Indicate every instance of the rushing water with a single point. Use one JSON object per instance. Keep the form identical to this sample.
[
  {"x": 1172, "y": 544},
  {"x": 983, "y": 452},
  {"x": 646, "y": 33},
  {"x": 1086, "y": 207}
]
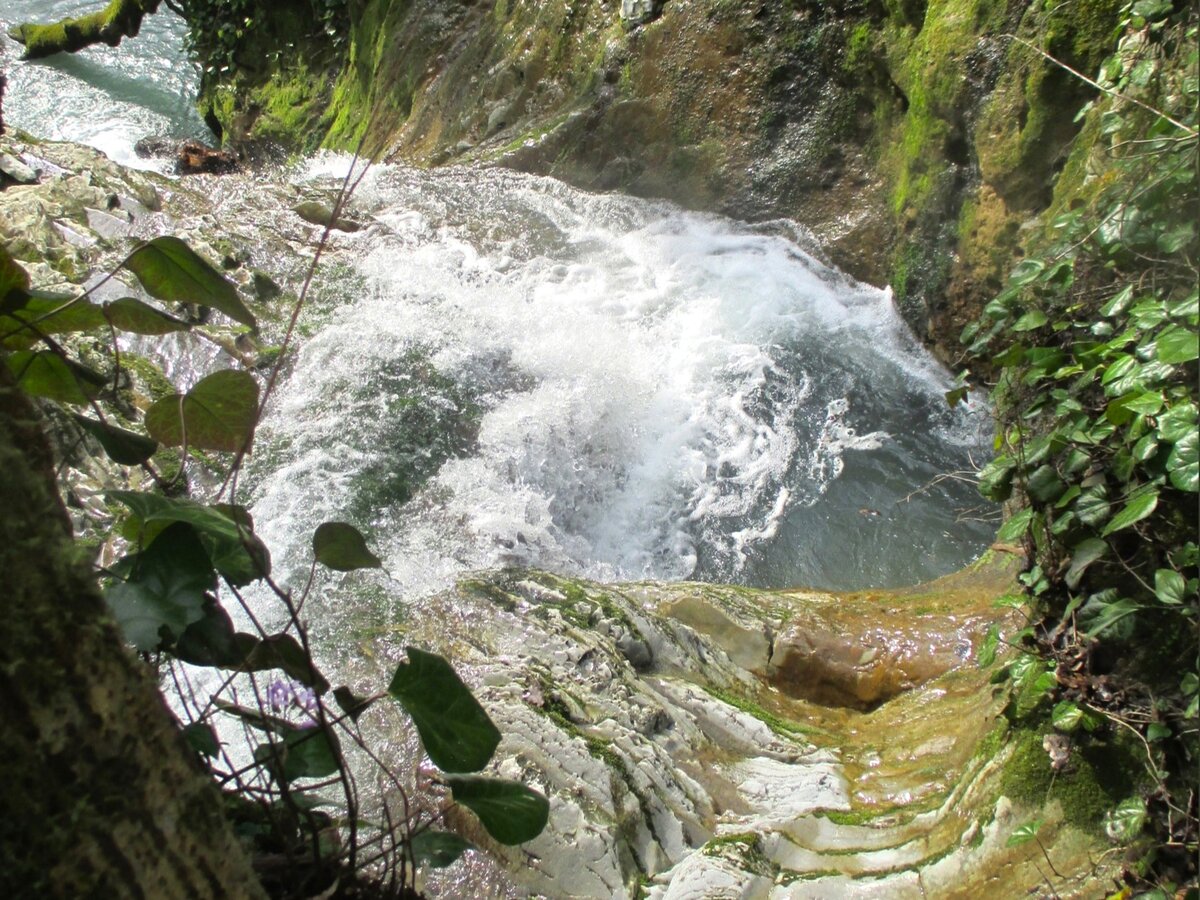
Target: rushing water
[
  {"x": 107, "y": 97},
  {"x": 616, "y": 388},
  {"x": 514, "y": 372}
]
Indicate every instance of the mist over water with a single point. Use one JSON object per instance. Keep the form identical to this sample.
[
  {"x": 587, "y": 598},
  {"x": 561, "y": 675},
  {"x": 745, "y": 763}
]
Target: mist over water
[{"x": 632, "y": 392}]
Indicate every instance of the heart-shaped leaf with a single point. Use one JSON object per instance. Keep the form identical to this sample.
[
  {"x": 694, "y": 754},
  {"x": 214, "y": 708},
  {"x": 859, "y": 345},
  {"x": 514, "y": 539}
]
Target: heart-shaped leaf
[
  {"x": 341, "y": 546},
  {"x": 125, "y": 447},
  {"x": 170, "y": 270},
  {"x": 166, "y": 590},
  {"x": 438, "y": 849},
  {"x": 511, "y": 812},
  {"x": 457, "y": 733},
  {"x": 226, "y": 533},
  {"x": 132, "y": 315},
  {"x": 44, "y": 373},
  {"x": 219, "y": 413}
]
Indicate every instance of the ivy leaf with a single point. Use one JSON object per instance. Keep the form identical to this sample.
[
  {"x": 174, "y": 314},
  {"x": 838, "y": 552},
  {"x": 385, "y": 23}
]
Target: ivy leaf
[
  {"x": 304, "y": 753},
  {"x": 1044, "y": 485},
  {"x": 226, "y": 533},
  {"x": 211, "y": 640},
  {"x": 282, "y": 651},
  {"x": 1134, "y": 511},
  {"x": 1015, "y": 527},
  {"x": 1083, "y": 555},
  {"x": 219, "y": 413},
  {"x": 1104, "y": 612},
  {"x": 350, "y": 703},
  {"x": 341, "y": 546},
  {"x": 201, "y": 738},
  {"x": 511, "y": 812},
  {"x": 457, "y": 733},
  {"x": 1035, "y": 318},
  {"x": 1169, "y": 587},
  {"x": 170, "y": 270},
  {"x": 1024, "y": 834},
  {"x": 1066, "y": 716},
  {"x": 1184, "y": 463},
  {"x": 1126, "y": 821},
  {"x": 1177, "y": 345},
  {"x": 132, "y": 315},
  {"x": 995, "y": 479},
  {"x": 48, "y": 313},
  {"x": 1093, "y": 507},
  {"x": 1177, "y": 422},
  {"x": 125, "y": 447},
  {"x": 43, "y": 373},
  {"x": 987, "y": 650},
  {"x": 166, "y": 591},
  {"x": 438, "y": 849}
]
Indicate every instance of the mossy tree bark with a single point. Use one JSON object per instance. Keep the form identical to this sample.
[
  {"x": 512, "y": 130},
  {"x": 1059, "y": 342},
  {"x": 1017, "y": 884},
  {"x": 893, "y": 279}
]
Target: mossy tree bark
[
  {"x": 120, "y": 19},
  {"x": 100, "y": 796}
]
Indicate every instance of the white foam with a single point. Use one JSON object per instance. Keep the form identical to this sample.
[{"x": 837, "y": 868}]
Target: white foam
[{"x": 660, "y": 368}]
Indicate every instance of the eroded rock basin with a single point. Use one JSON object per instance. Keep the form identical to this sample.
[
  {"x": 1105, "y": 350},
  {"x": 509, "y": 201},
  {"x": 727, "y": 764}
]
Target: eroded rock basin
[{"x": 700, "y": 741}]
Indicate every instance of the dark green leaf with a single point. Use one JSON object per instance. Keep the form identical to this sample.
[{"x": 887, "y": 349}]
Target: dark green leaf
[
  {"x": 457, "y": 733},
  {"x": 170, "y": 270},
  {"x": 1177, "y": 422},
  {"x": 132, "y": 315},
  {"x": 511, "y": 812},
  {"x": 1133, "y": 512},
  {"x": 304, "y": 752},
  {"x": 211, "y": 641},
  {"x": 341, "y": 546},
  {"x": 1119, "y": 303},
  {"x": 987, "y": 650},
  {"x": 1177, "y": 345},
  {"x": 1044, "y": 485},
  {"x": 995, "y": 479},
  {"x": 202, "y": 739},
  {"x": 44, "y": 373},
  {"x": 282, "y": 651},
  {"x": 350, "y": 703},
  {"x": 1184, "y": 463},
  {"x": 1093, "y": 506},
  {"x": 48, "y": 314},
  {"x": 1035, "y": 318},
  {"x": 438, "y": 849},
  {"x": 166, "y": 590},
  {"x": 1170, "y": 587},
  {"x": 1105, "y": 613},
  {"x": 125, "y": 447},
  {"x": 233, "y": 548},
  {"x": 1015, "y": 527},
  {"x": 219, "y": 413},
  {"x": 1083, "y": 555}
]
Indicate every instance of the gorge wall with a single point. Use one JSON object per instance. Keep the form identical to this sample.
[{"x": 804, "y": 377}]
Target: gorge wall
[{"x": 917, "y": 140}]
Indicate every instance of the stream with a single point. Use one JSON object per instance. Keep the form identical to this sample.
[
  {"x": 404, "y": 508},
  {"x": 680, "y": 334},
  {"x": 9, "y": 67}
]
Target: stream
[{"x": 504, "y": 370}]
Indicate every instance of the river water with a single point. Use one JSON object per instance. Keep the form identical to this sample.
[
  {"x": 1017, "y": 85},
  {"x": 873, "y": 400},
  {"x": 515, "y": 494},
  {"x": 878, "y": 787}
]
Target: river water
[{"x": 514, "y": 372}]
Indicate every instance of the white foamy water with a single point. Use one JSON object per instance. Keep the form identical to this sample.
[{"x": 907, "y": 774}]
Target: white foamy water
[{"x": 636, "y": 392}]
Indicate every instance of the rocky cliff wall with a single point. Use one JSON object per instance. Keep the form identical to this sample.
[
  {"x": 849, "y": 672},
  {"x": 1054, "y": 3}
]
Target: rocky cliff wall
[{"x": 917, "y": 140}]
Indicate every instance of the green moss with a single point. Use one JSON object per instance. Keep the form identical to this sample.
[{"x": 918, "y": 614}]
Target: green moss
[
  {"x": 1101, "y": 774},
  {"x": 783, "y": 727}
]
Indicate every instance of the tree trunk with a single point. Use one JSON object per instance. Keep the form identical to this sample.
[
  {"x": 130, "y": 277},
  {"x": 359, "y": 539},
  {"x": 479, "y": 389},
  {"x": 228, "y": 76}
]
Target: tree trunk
[{"x": 100, "y": 796}]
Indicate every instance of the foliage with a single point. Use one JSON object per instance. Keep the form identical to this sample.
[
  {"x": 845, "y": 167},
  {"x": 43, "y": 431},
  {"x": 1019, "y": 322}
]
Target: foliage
[
  {"x": 223, "y": 33},
  {"x": 185, "y": 560},
  {"x": 1095, "y": 342}
]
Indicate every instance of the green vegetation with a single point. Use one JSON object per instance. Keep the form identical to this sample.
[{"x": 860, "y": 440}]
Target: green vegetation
[
  {"x": 185, "y": 560},
  {"x": 1094, "y": 340}
]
